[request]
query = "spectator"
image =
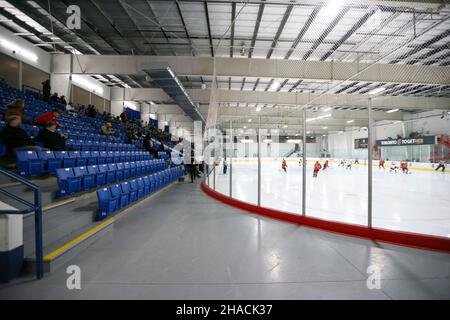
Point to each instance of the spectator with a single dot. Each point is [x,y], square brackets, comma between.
[62,100]
[15,138]
[148,146]
[123,117]
[16,108]
[52,139]
[82,111]
[54,98]
[91,112]
[106,129]
[48,116]
[70,109]
[46,90]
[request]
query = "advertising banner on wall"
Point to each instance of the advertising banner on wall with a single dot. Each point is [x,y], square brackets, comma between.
[361,143]
[425,140]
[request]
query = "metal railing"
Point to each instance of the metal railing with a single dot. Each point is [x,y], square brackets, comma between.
[35,207]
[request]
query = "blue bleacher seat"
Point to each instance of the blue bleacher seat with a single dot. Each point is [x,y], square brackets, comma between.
[133,190]
[29,164]
[116,190]
[147,185]
[102,157]
[110,176]
[94,158]
[50,162]
[100,177]
[88,179]
[106,202]
[86,156]
[68,182]
[118,173]
[126,170]
[141,186]
[132,169]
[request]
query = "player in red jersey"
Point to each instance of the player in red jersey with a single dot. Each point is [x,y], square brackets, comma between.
[284,165]
[325,165]
[381,164]
[317,167]
[404,167]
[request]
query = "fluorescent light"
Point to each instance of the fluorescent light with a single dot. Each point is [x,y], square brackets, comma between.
[377,90]
[308,132]
[294,141]
[275,85]
[249,120]
[324,128]
[350,121]
[90,85]
[247,141]
[392,110]
[267,140]
[20,51]
[258,109]
[285,126]
[319,117]
[327,109]
[332,8]
[245,127]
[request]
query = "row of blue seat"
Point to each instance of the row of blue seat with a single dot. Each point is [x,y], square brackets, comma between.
[73,180]
[83,145]
[119,196]
[32,163]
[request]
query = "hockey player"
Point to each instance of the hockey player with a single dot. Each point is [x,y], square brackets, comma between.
[393,167]
[317,167]
[440,166]
[381,164]
[325,165]
[284,165]
[356,161]
[404,167]
[342,163]
[349,165]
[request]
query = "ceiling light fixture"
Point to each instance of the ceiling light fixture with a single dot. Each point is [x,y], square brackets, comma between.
[392,110]
[275,85]
[377,90]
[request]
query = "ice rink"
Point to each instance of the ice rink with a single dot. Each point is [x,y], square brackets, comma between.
[418,202]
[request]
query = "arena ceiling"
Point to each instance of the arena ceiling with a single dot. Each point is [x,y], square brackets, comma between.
[292,30]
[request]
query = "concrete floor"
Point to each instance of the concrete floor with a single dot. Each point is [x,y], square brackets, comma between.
[181,244]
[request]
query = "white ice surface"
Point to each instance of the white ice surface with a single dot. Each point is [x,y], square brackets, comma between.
[418,202]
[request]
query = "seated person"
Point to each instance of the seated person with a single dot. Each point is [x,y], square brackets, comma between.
[106,129]
[15,138]
[48,116]
[54,98]
[70,109]
[53,140]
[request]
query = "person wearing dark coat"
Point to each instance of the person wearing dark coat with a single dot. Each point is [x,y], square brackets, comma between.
[46,90]
[15,138]
[52,139]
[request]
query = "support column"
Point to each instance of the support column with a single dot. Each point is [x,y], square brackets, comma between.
[231,137]
[369,156]
[304,164]
[259,161]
